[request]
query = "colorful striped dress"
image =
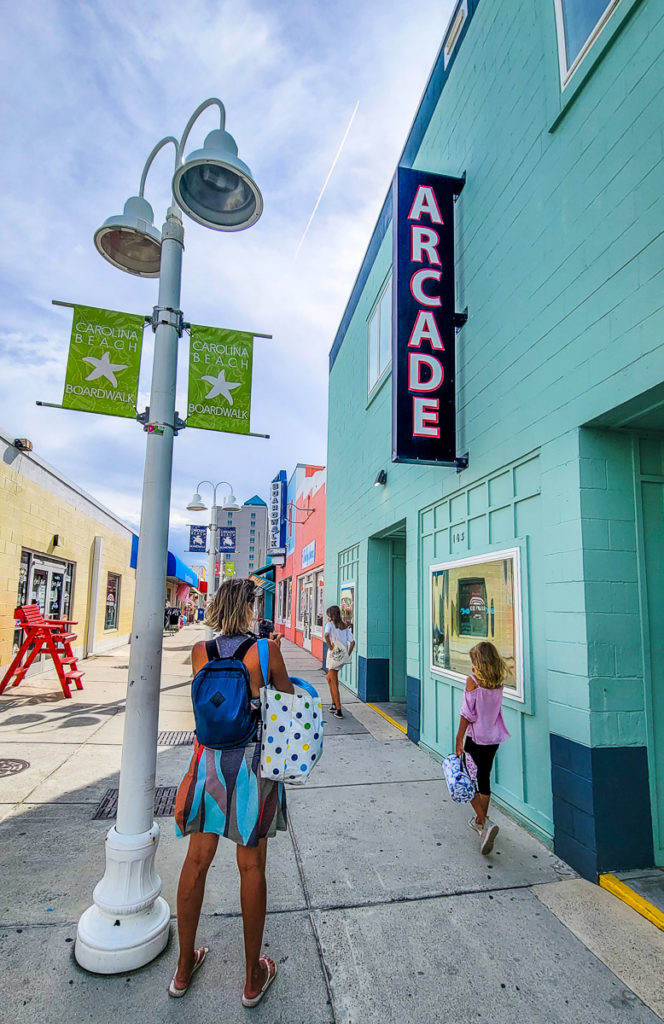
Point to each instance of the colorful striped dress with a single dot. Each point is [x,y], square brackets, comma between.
[223,792]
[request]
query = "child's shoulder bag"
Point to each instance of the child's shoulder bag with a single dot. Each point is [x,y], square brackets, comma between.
[460,774]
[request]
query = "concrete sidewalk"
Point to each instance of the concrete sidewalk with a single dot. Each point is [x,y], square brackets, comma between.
[380,908]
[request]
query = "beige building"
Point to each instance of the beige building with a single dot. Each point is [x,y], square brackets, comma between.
[60,548]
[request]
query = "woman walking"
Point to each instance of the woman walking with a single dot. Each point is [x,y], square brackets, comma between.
[336,632]
[482,730]
[223,794]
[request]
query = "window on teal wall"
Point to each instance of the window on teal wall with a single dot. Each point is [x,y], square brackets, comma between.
[380,336]
[579,24]
[475,599]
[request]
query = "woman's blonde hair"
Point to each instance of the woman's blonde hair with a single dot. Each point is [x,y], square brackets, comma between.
[232,608]
[488,666]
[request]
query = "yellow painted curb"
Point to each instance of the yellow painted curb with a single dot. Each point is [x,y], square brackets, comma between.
[382,714]
[632,899]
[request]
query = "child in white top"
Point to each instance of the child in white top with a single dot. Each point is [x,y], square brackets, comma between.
[336,631]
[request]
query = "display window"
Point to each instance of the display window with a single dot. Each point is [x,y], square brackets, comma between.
[475,599]
[112,613]
[284,601]
[46,581]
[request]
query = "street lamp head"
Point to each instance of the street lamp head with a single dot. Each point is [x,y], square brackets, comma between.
[130,241]
[231,504]
[216,188]
[196,504]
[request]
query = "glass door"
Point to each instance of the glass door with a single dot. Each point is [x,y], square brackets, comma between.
[307,611]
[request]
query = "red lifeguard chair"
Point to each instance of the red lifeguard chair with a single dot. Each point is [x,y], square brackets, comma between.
[50,636]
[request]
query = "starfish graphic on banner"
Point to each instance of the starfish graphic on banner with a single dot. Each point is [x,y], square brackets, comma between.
[220,368]
[104,345]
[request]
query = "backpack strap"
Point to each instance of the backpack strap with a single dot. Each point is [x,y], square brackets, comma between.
[212,650]
[246,645]
[264,655]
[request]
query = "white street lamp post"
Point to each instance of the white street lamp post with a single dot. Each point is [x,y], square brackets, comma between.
[128,923]
[197,505]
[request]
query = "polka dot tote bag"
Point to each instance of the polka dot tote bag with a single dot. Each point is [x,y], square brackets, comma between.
[292,733]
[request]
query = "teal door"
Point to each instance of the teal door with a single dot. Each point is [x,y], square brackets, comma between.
[652,498]
[398,591]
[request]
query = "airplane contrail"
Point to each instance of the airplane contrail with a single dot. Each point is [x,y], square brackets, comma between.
[325,183]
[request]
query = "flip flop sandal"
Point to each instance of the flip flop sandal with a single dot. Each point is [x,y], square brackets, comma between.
[199,957]
[246,1001]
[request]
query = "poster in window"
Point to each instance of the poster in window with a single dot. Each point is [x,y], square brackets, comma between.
[347,603]
[477,599]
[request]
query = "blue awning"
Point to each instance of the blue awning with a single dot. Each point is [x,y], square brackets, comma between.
[176,568]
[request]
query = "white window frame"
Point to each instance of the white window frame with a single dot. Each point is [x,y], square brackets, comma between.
[457,21]
[566,72]
[516,695]
[315,628]
[284,596]
[372,383]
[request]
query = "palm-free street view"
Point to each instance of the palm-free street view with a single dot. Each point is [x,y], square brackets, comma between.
[332,512]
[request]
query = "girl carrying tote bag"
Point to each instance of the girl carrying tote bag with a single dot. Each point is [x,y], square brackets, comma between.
[292,732]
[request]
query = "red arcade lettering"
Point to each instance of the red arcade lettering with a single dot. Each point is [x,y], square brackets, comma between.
[425,370]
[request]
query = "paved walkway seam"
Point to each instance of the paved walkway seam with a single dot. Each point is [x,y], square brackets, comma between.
[314,929]
[625,893]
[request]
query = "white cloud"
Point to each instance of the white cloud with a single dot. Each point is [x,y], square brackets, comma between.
[93,87]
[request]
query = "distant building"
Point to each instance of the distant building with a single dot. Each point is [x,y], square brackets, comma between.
[300,611]
[63,550]
[60,548]
[250,523]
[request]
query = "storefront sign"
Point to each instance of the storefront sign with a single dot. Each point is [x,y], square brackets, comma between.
[309,554]
[197,538]
[227,540]
[424,318]
[220,364]
[277,515]
[104,362]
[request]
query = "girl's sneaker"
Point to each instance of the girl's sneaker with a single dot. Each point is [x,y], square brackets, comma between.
[333,708]
[337,713]
[489,833]
[475,825]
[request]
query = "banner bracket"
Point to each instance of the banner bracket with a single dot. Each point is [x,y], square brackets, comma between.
[459,319]
[168,316]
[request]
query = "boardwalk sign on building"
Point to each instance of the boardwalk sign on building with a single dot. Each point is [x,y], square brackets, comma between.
[104,362]
[423,335]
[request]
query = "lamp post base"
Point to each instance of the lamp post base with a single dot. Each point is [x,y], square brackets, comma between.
[128,924]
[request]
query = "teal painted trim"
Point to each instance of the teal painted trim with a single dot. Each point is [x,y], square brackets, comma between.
[597,52]
[649,725]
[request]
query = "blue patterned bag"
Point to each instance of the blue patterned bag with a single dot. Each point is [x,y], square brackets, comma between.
[460,774]
[292,732]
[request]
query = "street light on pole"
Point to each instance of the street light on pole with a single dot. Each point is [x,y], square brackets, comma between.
[128,923]
[198,505]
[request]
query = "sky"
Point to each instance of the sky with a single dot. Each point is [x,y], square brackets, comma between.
[88,88]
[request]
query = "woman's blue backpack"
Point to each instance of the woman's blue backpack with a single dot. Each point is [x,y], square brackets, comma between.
[221,696]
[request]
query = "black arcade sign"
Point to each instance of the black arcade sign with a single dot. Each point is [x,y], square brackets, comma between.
[424,318]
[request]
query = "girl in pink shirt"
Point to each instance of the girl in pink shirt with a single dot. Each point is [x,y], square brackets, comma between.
[482,730]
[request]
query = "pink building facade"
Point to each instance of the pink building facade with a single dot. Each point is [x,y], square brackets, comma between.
[300,583]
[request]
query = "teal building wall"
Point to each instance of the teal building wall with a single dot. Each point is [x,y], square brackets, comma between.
[560,405]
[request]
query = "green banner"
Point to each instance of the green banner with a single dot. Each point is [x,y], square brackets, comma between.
[220,363]
[104,362]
